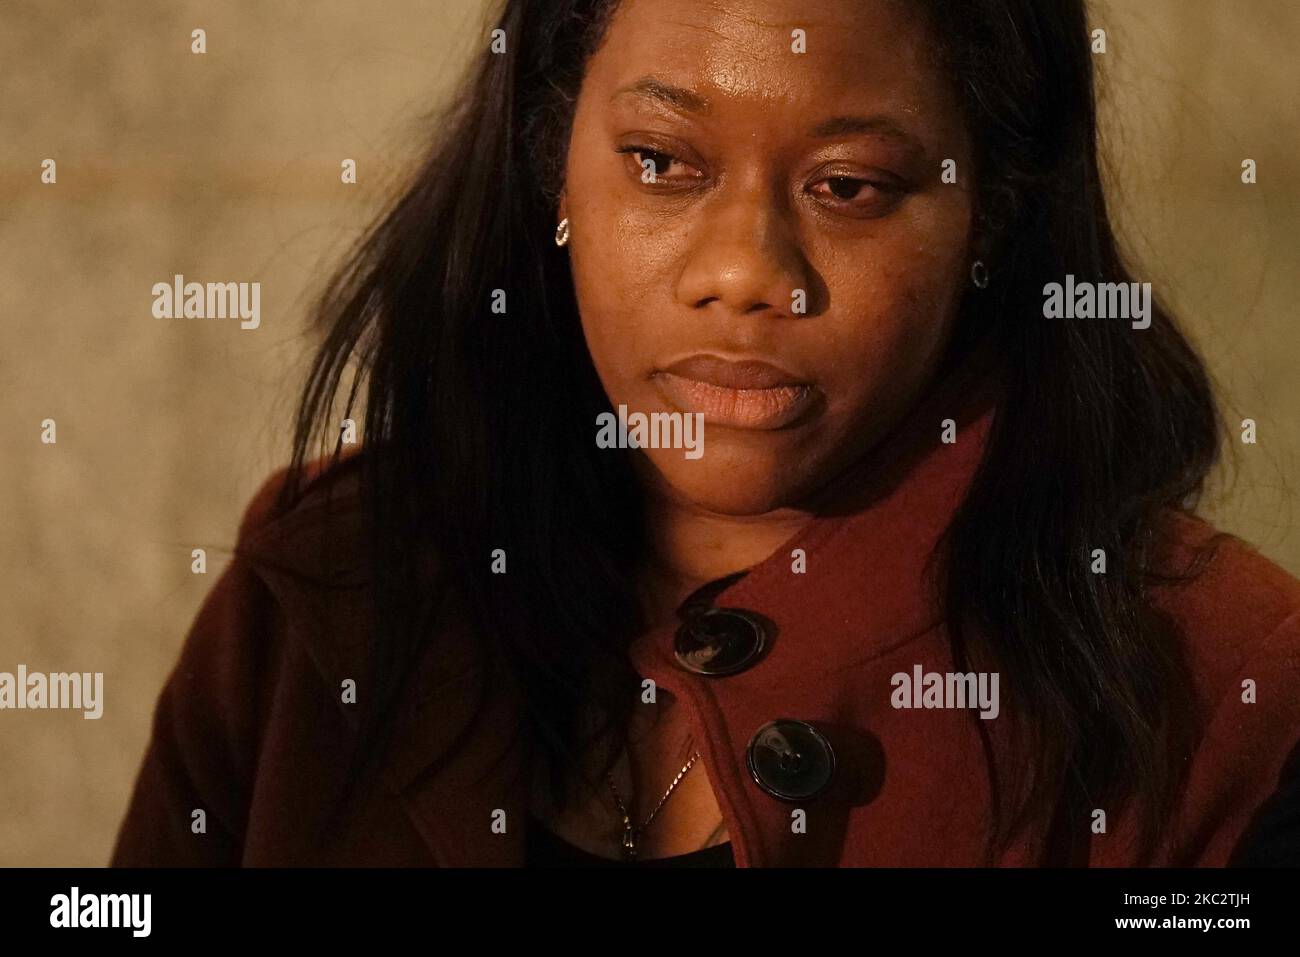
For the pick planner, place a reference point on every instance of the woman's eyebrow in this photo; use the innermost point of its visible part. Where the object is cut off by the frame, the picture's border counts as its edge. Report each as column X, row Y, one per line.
column 688, row 101
column 651, row 88
column 874, row 125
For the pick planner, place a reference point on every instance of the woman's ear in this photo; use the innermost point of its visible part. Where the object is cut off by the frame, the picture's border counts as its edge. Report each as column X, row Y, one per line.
column 564, row 206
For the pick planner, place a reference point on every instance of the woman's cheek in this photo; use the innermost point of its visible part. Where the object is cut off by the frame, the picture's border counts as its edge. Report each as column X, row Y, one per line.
column 608, row 332
column 618, row 347
column 878, row 364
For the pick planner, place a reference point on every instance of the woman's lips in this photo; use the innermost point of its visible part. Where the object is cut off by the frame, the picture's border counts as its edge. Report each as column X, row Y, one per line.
column 749, row 394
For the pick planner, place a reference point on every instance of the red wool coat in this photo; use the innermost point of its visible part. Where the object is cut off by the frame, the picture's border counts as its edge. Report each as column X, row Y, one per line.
column 251, row 727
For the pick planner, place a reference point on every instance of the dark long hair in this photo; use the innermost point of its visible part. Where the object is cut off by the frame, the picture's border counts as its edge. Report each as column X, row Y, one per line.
column 1102, row 429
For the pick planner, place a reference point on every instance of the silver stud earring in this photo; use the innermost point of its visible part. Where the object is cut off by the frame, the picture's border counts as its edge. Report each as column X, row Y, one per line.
column 562, row 232
column 979, row 274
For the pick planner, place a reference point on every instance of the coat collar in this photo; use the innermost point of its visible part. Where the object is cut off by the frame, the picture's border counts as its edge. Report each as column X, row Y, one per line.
column 867, row 587
column 867, row 590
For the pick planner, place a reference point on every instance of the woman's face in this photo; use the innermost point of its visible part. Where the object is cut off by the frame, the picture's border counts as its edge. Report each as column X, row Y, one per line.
column 797, row 216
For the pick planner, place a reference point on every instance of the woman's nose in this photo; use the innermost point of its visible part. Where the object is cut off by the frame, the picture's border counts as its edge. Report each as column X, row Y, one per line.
column 745, row 255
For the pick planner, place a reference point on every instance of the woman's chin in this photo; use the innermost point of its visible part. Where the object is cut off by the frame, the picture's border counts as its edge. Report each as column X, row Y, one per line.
column 742, row 490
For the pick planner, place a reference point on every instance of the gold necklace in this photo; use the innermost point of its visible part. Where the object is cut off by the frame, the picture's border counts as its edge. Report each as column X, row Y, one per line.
column 631, row 832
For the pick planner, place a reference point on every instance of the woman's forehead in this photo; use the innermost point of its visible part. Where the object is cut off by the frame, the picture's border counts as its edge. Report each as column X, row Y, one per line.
column 707, row 57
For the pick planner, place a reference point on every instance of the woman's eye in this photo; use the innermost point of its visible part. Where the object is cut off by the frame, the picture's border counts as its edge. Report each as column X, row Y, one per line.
column 856, row 194
column 846, row 189
column 654, row 164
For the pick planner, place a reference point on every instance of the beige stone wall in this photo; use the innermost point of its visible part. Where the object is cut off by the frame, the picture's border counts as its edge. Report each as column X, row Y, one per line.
column 225, row 167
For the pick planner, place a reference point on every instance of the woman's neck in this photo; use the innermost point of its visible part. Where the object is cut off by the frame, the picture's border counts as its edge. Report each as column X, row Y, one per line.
column 689, row 546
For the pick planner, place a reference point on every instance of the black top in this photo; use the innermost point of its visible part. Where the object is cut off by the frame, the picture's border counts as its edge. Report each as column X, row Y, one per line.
column 549, row 850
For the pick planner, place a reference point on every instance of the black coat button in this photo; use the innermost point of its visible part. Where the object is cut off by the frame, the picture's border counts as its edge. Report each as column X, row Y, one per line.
column 720, row 641
column 791, row 760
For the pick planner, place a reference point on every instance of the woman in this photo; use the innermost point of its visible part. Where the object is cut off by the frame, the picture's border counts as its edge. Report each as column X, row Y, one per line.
column 925, row 589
